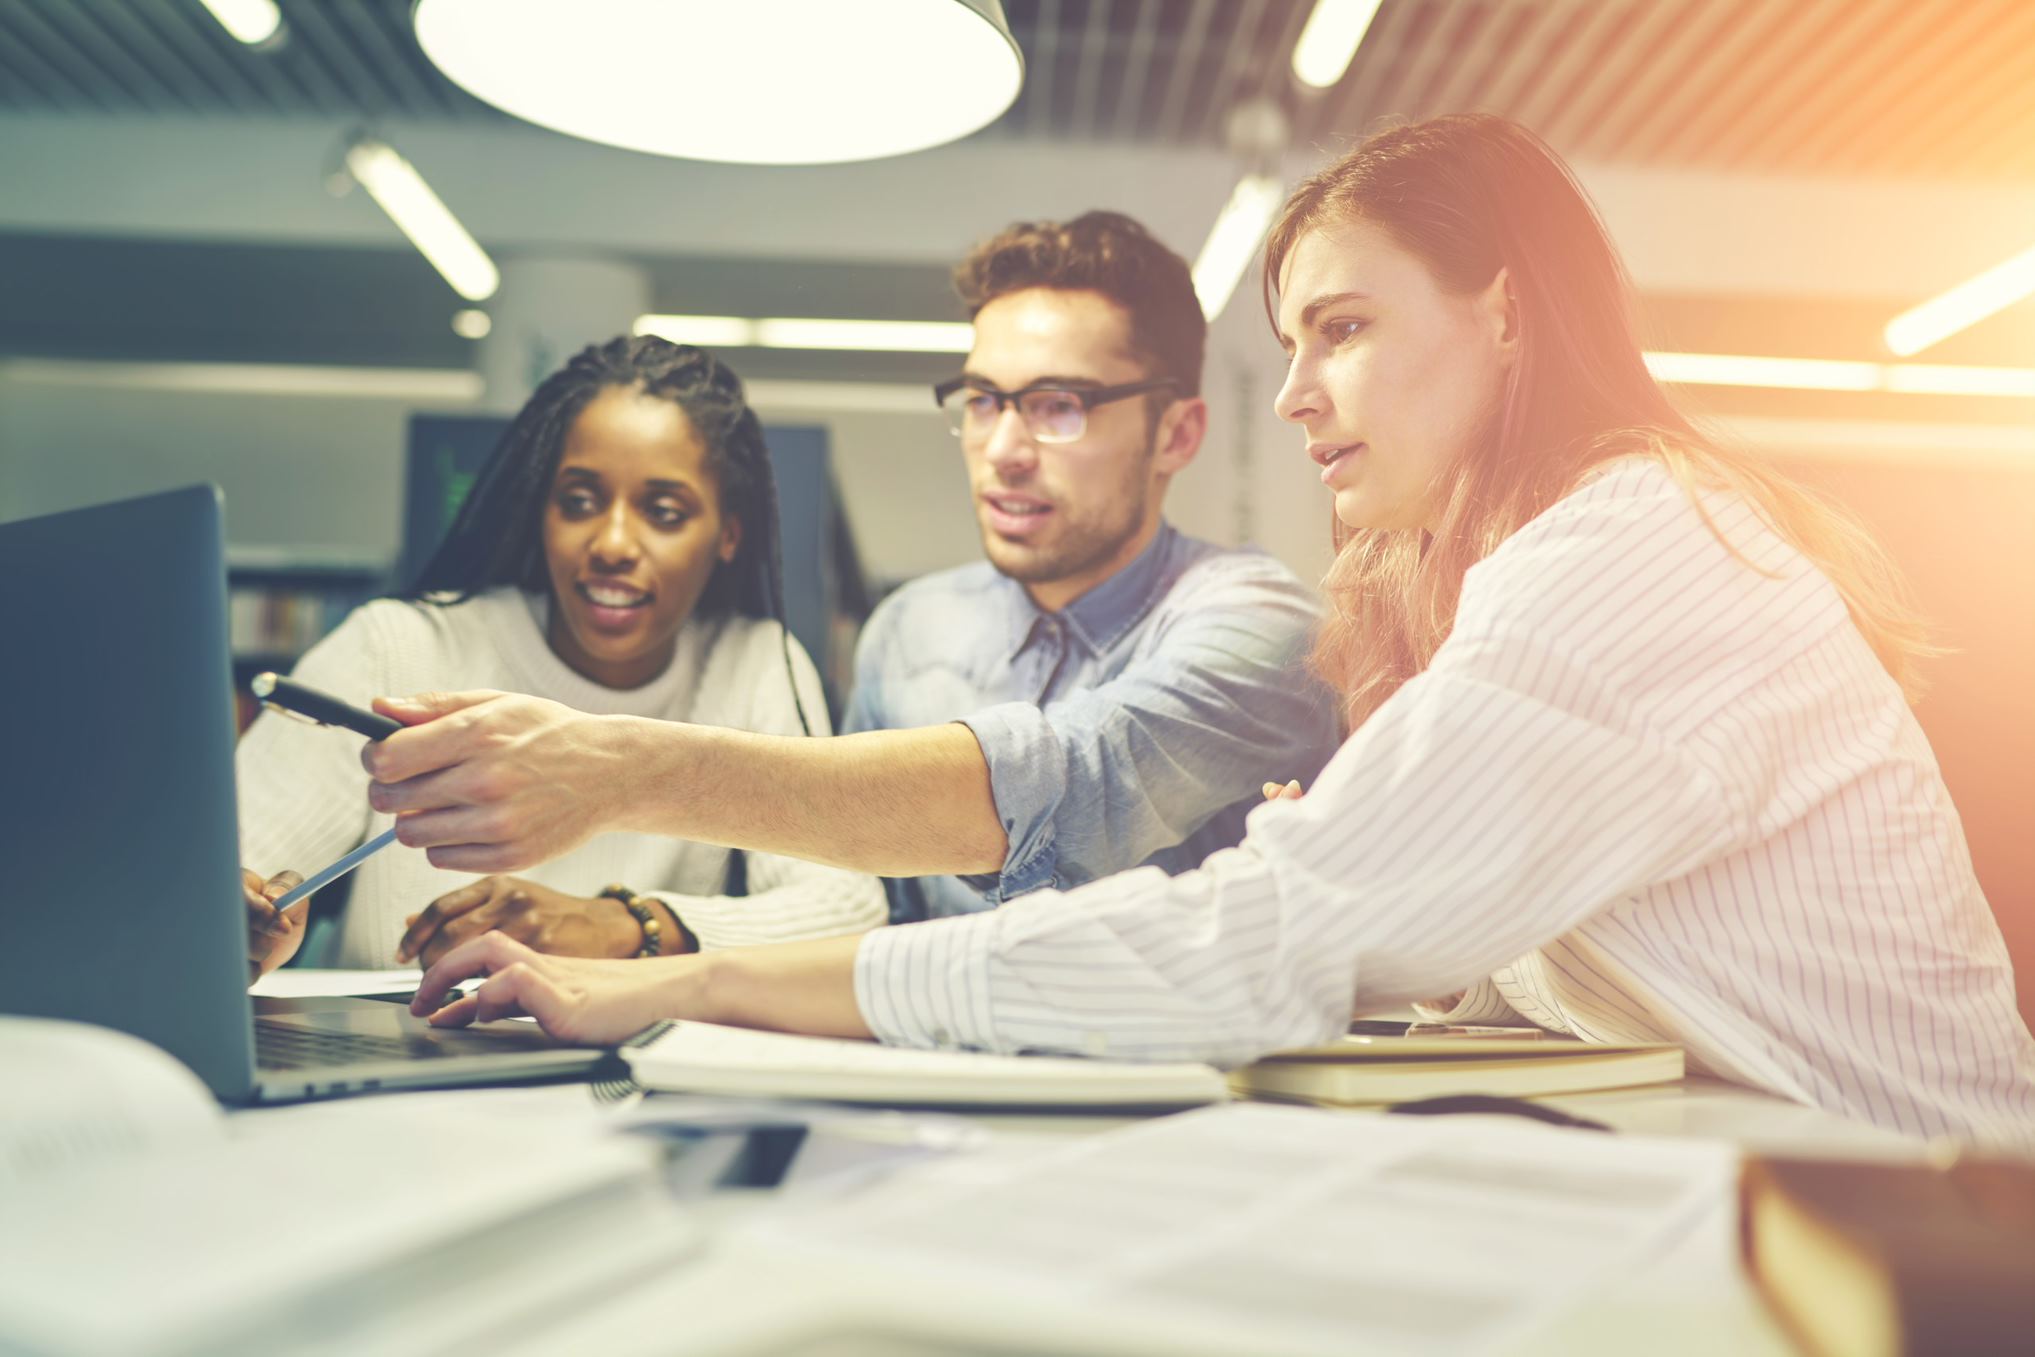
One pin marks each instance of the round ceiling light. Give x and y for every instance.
(766, 82)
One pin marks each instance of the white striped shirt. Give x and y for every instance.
(1646, 790)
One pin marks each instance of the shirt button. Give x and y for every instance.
(942, 1038)
(1097, 1044)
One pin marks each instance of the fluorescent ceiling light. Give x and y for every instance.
(861, 336)
(1233, 240)
(1330, 40)
(767, 82)
(1829, 374)
(472, 323)
(253, 22)
(419, 214)
(1963, 306)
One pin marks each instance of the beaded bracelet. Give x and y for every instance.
(653, 931)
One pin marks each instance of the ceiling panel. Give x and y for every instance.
(1916, 88)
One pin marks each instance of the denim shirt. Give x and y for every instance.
(1136, 726)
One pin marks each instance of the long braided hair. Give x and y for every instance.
(498, 536)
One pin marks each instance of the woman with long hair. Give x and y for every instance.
(1630, 757)
(618, 553)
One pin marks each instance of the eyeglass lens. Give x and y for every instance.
(1049, 416)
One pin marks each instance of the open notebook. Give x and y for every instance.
(698, 1057)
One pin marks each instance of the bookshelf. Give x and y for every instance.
(280, 602)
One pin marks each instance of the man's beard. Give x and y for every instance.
(1082, 549)
(1083, 546)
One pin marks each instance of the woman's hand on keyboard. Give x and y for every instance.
(806, 986)
(576, 999)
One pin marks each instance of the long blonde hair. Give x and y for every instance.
(1470, 194)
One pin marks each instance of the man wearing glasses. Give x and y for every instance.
(1103, 693)
(1131, 689)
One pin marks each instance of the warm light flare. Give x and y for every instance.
(1963, 306)
(1832, 374)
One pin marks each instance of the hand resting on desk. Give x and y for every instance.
(545, 919)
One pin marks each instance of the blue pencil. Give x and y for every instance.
(339, 868)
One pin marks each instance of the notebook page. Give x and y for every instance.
(1295, 1230)
(705, 1058)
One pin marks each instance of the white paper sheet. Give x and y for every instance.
(1291, 1229)
(311, 983)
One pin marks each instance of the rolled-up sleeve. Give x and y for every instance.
(1217, 704)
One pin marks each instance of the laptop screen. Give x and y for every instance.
(119, 850)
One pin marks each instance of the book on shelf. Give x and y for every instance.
(1865, 1259)
(1399, 1062)
(262, 620)
(138, 1219)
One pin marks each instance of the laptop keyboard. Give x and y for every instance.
(279, 1046)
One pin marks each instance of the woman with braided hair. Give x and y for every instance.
(619, 553)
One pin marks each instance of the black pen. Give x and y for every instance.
(291, 698)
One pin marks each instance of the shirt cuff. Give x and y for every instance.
(1028, 781)
(1480, 1004)
(927, 984)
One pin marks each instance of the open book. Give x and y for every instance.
(135, 1218)
(698, 1057)
(1394, 1062)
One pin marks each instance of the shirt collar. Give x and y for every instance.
(1104, 613)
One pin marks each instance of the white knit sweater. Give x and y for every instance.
(303, 793)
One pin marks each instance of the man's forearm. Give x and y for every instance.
(893, 802)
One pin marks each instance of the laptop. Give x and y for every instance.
(120, 894)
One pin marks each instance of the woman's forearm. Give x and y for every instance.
(791, 987)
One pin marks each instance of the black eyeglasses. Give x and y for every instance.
(1052, 414)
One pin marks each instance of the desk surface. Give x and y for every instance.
(731, 1300)
(1692, 1299)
